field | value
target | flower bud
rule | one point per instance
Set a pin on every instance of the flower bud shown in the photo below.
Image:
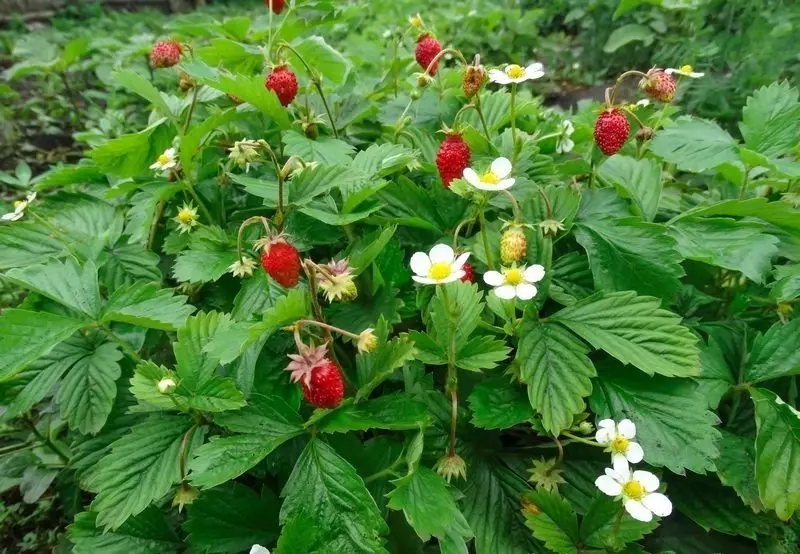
(451, 466)
(423, 80)
(367, 341)
(585, 427)
(551, 227)
(166, 386)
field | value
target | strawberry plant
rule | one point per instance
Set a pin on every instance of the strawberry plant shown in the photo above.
(320, 301)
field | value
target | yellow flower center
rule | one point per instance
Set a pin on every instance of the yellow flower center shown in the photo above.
(416, 21)
(439, 271)
(686, 68)
(19, 203)
(620, 445)
(489, 178)
(163, 159)
(633, 490)
(513, 276)
(515, 72)
(185, 216)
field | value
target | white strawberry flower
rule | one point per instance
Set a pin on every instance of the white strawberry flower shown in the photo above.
(165, 161)
(513, 73)
(637, 491)
(258, 549)
(643, 103)
(515, 282)
(686, 71)
(19, 208)
(439, 266)
(496, 179)
(564, 143)
(617, 437)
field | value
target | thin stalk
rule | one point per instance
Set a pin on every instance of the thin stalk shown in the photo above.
(457, 232)
(743, 189)
(582, 440)
(159, 211)
(395, 71)
(12, 448)
(610, 99)
(514, 206)
(326, 326)
(452, 372)
(182, 451)
(384, 472)
(47, 442)
(634, 116)
(193, 193)
(196, 88)
(127, 348)
(547, 205)
(439, 56)
(485, 238)
(463, 109)
(480, 116)
(269, 40)
(514, 118)
(243, 226)
(453, 421)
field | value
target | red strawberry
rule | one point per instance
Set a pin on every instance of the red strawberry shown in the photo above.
(611, 131)
(283, 82)
(660, 85)
(453, 158)
(281, 261)
(277, 5)
(427, 49)
(166, 53)
(326, 388)
(469, 273)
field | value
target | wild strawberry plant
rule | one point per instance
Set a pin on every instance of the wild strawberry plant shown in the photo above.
(317, 306)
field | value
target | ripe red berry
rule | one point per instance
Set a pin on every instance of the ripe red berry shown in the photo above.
(166, 53)
(427, 49)
(283, 82)
(469, 273)
(611, 131)
(277, 5)
(660, 85)
(326, 388)
(453, 158)
(281, 261)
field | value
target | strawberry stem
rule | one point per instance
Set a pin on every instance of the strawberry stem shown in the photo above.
(514, 206)
(242, 227)
(300, 322)
(439, 56)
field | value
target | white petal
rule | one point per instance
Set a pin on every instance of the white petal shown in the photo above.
(620, 463)
(627, 428)
(471, 177)
(526, 291)
(505, 184)
(671, 70)
(483, 186)
(420, 263)
(442, 253)
(605, 436)
(533, 274)
(461, 260)
(569, 128)
(11, 216)
(608, 485)
(424, 280)
(155, 165)
(455, 276)
(658, 504)
(609, 423)
(493, 278)
(534, 71)
(620, 478)
(696, 75)
(31, 197)
(258, 549)
(501, 167)
(499, 77)
(170, 152)
(638, 511)
(647, 479)
(506, 292)
(635, 454)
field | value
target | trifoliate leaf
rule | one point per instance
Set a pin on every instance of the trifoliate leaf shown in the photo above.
(393, 411)
(66, 282)
(673, 424)
(326, 490)
(635, 330)
(555, 367)
(147, 533)
(774, 354)
(552, 521)
(497, 403)
(147, 305)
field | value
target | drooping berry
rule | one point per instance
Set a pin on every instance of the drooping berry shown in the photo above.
(469, 273)
(283, 82)
(513, 245)
(611, 131)
(326, 388)
(277, 5)
(659, 85)
(427, 49)
(474, 78)
(166, 53)
(281, 261)
(453, 158)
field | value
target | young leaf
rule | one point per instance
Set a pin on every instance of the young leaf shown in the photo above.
(775, 354)
(554, 366)
(673, 423)
(65, 282)
(326, 490)
(147, 305)
(635, 330)
(777, 453)
(498, 404)
(552, 521)
(393, 411)
(146, 533)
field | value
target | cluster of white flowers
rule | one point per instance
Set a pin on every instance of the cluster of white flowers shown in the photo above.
(637, 489)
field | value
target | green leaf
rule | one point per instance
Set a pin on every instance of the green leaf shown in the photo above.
(635, 330)
(714, 506)
(389, 355)
(555, 367)
(232, 518)
(147, 305)
(695, 145)
(27, 243)
(780, 214)
(144, 88)
(315, 181)
(774, 354)
(218, 394)
(715, 378)
(127, 264)
(324, 58)
(604, 526)
(736, 467)
(141, 468)
(131, 155)
(771, 119)
(454, 315)
(428, 505)
(381, 160)
(26, 335)
(367, 248)
(262, 426)
(194, 365)
(146, 533)
(553, 521)
(629, 254)
(738, 245)
(633, 32)
(481, 352)
(325, 489)
(325, 150)
(393, 411)
(144, 386)
(673, 423)
(639, 180)
(787, 283)
(211, 252)
(87, 393)
(777, 453)
(497, 404)
(65, 282)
